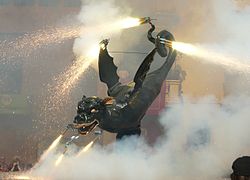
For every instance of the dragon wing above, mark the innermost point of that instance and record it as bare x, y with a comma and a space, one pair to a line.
107, 68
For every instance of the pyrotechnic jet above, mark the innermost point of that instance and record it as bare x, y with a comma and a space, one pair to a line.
122, 111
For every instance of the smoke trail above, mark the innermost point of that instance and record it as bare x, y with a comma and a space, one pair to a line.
211, 56
229, 35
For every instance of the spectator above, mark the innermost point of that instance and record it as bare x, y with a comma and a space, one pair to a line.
241, 168
3, 165
15, 166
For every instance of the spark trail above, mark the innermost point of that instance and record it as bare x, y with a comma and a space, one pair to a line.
87, 147
51, 147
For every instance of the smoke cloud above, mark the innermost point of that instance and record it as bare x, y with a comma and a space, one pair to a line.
230, 38
96, 18
201, 140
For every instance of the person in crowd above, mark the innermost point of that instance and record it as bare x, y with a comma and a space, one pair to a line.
241, 168
15, 166
3, 164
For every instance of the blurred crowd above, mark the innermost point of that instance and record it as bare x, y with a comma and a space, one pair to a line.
14, 166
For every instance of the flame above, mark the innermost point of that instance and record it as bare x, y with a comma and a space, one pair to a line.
63, 84
23, 46
26, 177
93, 52
55, 143
210, 55
86, 148
22, 177
51, 147
184, 48
59, 160
129, 23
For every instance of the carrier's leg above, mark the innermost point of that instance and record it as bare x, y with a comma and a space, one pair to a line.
134, 132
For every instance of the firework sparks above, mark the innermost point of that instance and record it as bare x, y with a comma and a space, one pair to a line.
54, 103
51, 147
185, 48
210, 56
129, 23
24, 45
87, 147
59, 160
58, 95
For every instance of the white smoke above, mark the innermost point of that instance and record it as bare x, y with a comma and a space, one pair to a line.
206, 135
96, 17
229, 32
201, 141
